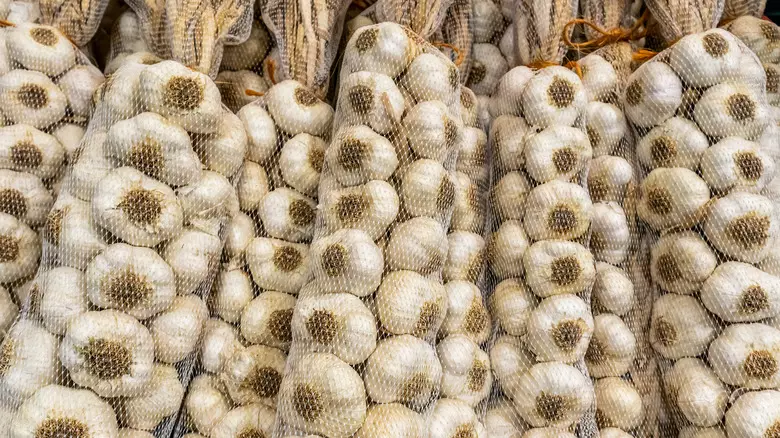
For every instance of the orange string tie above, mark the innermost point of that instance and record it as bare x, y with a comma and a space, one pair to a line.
574, 65
255, 93
459, 55
541, 63
5, 23
643, 55
271, 70
608, 36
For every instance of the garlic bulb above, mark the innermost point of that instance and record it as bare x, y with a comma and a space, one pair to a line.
69, 136
205, 403
508, 134
465, 369
109, 352
278, 265
618, 404
508, 196
557, 210
31, 97
419, 244
510, 360
239, 232
57, 410
501, 421
161, 399
370, 207
487, 67
682, 262
742, 225
358, 155
612, 290
70, 233
510, 91
506, 248
555, 267
465, 256
432, 131
558, 152
383, 48
408, 303
754, 414
652, 95
511, 304
554, 96
41, 48
78, 85
612, 348
471, 153
295, 109
26, 149
731, 109
28, 356
252, 419
24, 196
251, 52
90, 167
288, 215
224, 150
427, 189
252, 186
680, 326
232, 292
606, 127
336, 323
759, 35
706, 58
560, 328
266, 319
300, 162
610, 237
347, 261
739, 292
63, 296
177, 330
132, 279
310, 402
391, 420
432, 77
451, 417
747, 355
677, 142
553, 394
20, 249
671, 197
253, 375
466, 313
261, 133
599, 78
696, 392
240, 88
363, 100
211, 196
219, 343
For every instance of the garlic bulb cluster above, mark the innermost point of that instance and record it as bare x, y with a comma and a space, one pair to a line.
247, 69
492, 53
265, 263
539, 265
375, 300
700, 116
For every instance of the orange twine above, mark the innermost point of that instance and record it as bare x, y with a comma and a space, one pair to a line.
540, 64
4, 23
643, 55
271, 70
574, 65
250, 92
608, 36
458, 53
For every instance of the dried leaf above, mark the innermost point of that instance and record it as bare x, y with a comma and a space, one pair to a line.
539, 28
737, 8
677, 18
78, 19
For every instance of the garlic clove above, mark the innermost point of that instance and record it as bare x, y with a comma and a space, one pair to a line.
743, 226
372, 99
431, 130
558, 152
57, 408
465, 369
30, 97
696, 392
41, 48
370, 207
466, 312
747, 356
505, 250
288, 215
176, 331
26, 149
254, 375
560, 328
29, 357
707, 58
267, 320
419, 244
734, 163
408, 303
618, 403
612, 348
677, 142
336, 323
680, 326
391, 420
612, 290
672, 197
295, 109
553, 394
232, 292
465, 257
359, 155
278, 265
732, 109
652, 95
557, 210
554, 96
555, 267
384, 48
610, 236
606, 127
511, 304
161, 400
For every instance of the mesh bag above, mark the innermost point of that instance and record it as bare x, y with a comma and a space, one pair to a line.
698, 111
264, 264
362, 359
734, 9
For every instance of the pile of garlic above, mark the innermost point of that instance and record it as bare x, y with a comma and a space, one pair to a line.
131, 243
245, 343
541, 269
699, 110
369, 317
46, 88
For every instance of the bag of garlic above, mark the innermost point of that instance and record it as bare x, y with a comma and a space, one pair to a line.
386, 192
245, 344
699, 110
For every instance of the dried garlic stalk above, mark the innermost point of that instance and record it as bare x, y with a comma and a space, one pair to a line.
737, 8
607, 14
457, 31
677, 18
424, 17
76, 19
539, 29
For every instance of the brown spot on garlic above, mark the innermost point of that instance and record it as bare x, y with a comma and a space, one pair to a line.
598, 185
593, 136
352, 153
453, 77
264, 382
287, 258
773, 431
429, 314
760, 364
741, 107
772, 80
465, 431
715, 45
475, 378
9, 249
414, 386
6, 356
26, 155
475, 267
602, 420
446, 195
280, 324
598, 243
467, 100
562, 219
307, 402
142, 207
183, 93
62, 427
749, 231
551, 407
596, 353
53, 226
147, 156
565, 270
567, 334
250, 433
450, 132
301, 213
749, 165
44, 36
127, 289
12, 202
668, 269
665, 332
477, 73
334, 260
659, 201
351, 208
107, 359
560, 93
663, 149
476, 319
361, 98
564, 160
316, 158
753, 299
305, 97
32, 96
322, 326
367, 39
634, 93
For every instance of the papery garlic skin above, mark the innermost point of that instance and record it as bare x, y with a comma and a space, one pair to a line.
510, 91
612, 290
555, 267
205, 403
160, 400
682, 262
680, 326
451, 417
743, 226
308, 400
677, 142
240, 88
618, 403
210, 197
612, 348
508, 134
419, 244
408, 303
747, 355
508, 196
754, 414
25, 197
427, 189
253, 375
288, 215
553, 394
30, 362
249, 419
487, 68
58, 407
41, 48
700, 432
511, 304
610, 236
79, 84
177, 330
266, 319
465, 369
430, 76
112, 338
501, 421
335, 323
599, 78
560, 328
223, 151
701, 396
391, 420
300, 162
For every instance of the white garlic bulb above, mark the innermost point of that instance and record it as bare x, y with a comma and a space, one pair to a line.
557, 210
239, 232
336, 323
468, 206
700, 396
63, 296
70, 233
466, 313
232, 292
508, 135
501, 420
739, 292
372, 99
20, 249
205, 403
391, 420
732, 109
610, 237
506, 249
90, 167
743, 226
452, 417
465, 256
553, 394
109, 352
554, 96
253, 375
31, 97
507, 97
119, 95
427, 189
383, 48
252, 186
26, 149
680, 326
288, 215
612, 348
747, 355
266, 319
465, 369
558, 152
295, 109
606, 127
707, 58
431, 77
254, 419
278, 265
677, 142
132, 279
210, 197
28, 355
358, 155
408, 303
177, 330
652, 95
261, 133
219, 343
469, 111
599, 78
754, 414
161, 399
224, 150
682, 262
300, 162
24, 196
560, 328
555, 267
41, 48
510, 360
347, 261
511, 304
310, 402
58, 409
69, 136
612, 290
671, 197
618, 403
240, 88
488, 65
79, 84
419, 244
370, 207
472, 151
508, 196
